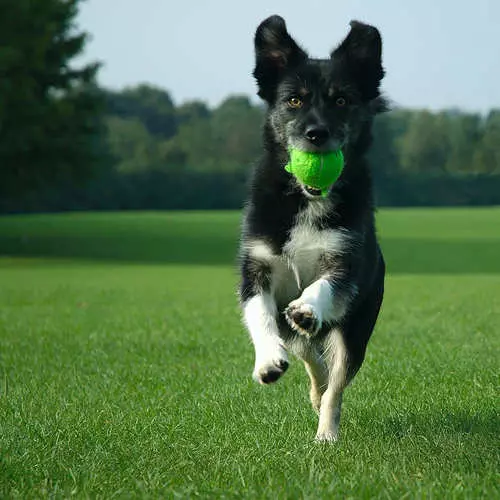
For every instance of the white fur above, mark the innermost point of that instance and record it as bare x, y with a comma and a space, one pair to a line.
260, 318
331, 400
297, 268
305, 247
320, 298
260, 250
307, 244
317, 299
283, 278
319, 295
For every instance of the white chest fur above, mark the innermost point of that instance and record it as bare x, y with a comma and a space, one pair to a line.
299, 263
306, 248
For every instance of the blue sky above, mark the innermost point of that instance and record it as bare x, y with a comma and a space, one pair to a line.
437, 53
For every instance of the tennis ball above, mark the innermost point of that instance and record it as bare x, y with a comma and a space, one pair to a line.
316, 170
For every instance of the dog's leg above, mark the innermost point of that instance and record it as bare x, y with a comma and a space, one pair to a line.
315, 306
271, 359
260, 312
306, 315
331, 401
318, 373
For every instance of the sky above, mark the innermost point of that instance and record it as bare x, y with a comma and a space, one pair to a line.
437, 53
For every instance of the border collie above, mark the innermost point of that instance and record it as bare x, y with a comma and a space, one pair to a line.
312, 273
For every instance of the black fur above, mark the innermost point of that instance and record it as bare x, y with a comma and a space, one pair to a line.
339, 95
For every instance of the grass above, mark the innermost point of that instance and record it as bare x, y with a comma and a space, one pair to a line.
125, 372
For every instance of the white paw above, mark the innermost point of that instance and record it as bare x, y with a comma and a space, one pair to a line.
303, 318
326, 437
270, 369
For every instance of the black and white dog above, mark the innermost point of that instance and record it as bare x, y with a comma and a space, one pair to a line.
312, 270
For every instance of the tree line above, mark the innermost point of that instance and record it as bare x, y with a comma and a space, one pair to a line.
66, 143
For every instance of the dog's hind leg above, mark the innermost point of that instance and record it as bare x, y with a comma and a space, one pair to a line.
318, 374
344, 352
336, 355
310, 353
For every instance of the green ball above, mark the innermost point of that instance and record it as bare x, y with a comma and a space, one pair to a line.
316, 170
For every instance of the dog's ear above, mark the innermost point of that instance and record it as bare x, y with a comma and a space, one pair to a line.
360, 55
275, 53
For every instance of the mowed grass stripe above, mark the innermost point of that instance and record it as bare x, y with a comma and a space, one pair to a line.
414, 241
134, 380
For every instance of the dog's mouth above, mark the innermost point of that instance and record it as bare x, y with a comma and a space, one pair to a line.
311, 191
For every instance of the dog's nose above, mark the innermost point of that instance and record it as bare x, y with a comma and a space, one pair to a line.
317, 134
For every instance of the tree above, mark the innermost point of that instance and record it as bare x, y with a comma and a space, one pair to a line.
131, 145
152, 105
464, 133
237, 126
388, 128
425, 146
225, 140
487, 155
49, 109
192, 111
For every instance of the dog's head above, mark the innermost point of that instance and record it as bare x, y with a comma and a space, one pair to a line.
318, 105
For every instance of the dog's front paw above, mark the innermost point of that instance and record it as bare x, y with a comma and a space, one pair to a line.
270, 370
303, 318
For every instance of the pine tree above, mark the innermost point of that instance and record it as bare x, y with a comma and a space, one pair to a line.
49, 109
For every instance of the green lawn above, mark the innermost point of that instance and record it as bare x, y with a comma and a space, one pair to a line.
125, 371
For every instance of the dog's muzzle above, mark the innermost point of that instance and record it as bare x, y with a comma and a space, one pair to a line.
312, 191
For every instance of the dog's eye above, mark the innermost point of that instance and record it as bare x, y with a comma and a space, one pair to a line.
340, 101
295, 102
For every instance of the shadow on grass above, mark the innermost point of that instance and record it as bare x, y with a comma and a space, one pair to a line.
142, 248
408, 256
418, 256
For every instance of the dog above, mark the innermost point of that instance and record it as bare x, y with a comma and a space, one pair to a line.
312, 271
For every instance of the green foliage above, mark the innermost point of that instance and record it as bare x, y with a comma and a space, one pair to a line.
131, 144
151, 105
191, 111
224, 140
388, 129
487, 155
418, 157
424, 148
49, 109
236, 127
464, 132
126, 370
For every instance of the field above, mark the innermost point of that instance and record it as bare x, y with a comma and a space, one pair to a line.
125, 371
